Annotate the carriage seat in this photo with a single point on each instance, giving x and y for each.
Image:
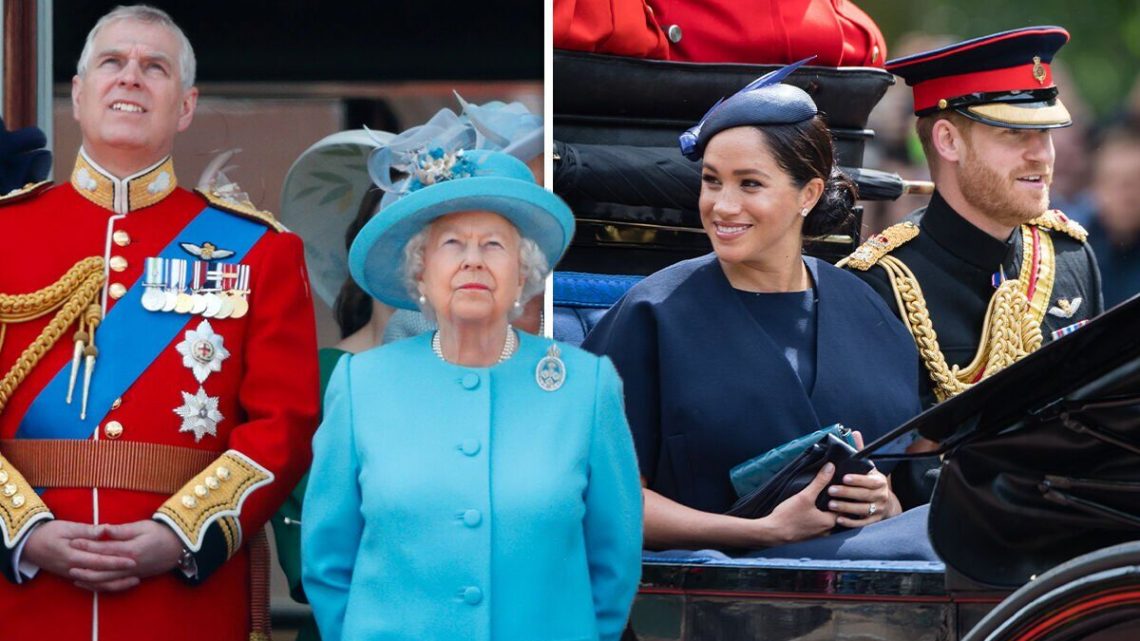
(581, 299)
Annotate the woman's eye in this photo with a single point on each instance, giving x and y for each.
(710, 179)
(493, 243)
(750, 183)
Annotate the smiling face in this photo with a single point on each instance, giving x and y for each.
(471, 268)
(1006, 173)
(750, 207)
(129, 102)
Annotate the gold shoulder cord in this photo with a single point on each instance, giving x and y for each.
(75, 296)
(1010, 331)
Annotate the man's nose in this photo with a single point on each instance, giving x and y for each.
(130, 74)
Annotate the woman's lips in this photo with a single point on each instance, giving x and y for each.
(728, 231)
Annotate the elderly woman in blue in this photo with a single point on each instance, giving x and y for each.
(474, 482)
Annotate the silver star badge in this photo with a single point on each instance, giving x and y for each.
(202, 351)
(199, 414)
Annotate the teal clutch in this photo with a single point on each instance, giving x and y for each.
(755, 472)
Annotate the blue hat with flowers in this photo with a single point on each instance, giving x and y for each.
(764, 101)
(441, 181)
(323, 189)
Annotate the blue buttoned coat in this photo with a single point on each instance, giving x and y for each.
(449, 502)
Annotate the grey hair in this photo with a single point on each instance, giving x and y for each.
(187, 64)
(532, 266)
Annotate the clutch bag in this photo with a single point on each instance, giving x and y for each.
(797, 474)
(755, 472)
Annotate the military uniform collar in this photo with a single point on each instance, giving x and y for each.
(963, 239)
(123, 195)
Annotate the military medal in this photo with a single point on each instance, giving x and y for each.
(200, 415)
(241, 305)
(152, 298)
(197, 297)
(226, 305)
(212, 295)
(202, 350)
(551, 371)
(183, 303)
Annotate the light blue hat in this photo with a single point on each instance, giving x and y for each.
(445, 182)
(323, 189)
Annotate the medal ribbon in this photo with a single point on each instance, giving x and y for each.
(130, 339)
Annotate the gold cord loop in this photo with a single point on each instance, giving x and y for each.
(75, 296)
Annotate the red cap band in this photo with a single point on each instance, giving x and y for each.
(1028, 77)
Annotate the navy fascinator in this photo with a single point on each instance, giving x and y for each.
(764, 101)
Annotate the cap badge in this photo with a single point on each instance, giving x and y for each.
(1038, 70)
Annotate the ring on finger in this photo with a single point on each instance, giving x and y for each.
(871, 509)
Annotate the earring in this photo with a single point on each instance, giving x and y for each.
(517, 304)
(804, 212)
(422, 299)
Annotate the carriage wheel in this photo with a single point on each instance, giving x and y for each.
(1095, 597)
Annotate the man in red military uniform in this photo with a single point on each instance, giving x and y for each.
(159, 371)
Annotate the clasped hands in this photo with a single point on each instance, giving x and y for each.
(103, 558)
(861, 500)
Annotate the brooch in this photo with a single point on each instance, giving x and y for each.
(199, 414)
(551, 371)
(202, 351)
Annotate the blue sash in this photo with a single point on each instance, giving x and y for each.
(129, 339)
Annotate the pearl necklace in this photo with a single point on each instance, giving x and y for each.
(509, 346)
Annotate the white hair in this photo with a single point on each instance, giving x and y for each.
(187, 65)
(532, 266)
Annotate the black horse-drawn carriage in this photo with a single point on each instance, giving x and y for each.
(1037, 510)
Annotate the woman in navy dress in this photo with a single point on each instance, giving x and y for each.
(727, 356)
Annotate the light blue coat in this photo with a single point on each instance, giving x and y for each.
(450, 502)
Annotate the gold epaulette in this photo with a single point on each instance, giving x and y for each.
(214, 496)
(1057, 221)
(880, 245)
(241, 206)
(30, 190)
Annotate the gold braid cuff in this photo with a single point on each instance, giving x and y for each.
(72, 295)
(20, 506)
(214, 496)
(1011, 328)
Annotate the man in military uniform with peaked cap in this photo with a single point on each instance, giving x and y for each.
(158, 357)
(986, 272)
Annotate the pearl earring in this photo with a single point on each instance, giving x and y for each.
(804, 212)
(422, 299)
(517, 304)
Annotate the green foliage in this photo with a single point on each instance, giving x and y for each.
(1103, 55)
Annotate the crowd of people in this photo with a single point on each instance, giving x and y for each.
(470, 477)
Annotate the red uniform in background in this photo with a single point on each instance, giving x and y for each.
(215, 481)
(837, 32)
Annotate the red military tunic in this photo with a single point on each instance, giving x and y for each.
(837, 32)
(266, 391)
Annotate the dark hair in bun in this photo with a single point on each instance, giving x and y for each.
(353, 307)
(805, 151)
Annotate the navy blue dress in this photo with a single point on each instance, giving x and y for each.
(706, 387)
